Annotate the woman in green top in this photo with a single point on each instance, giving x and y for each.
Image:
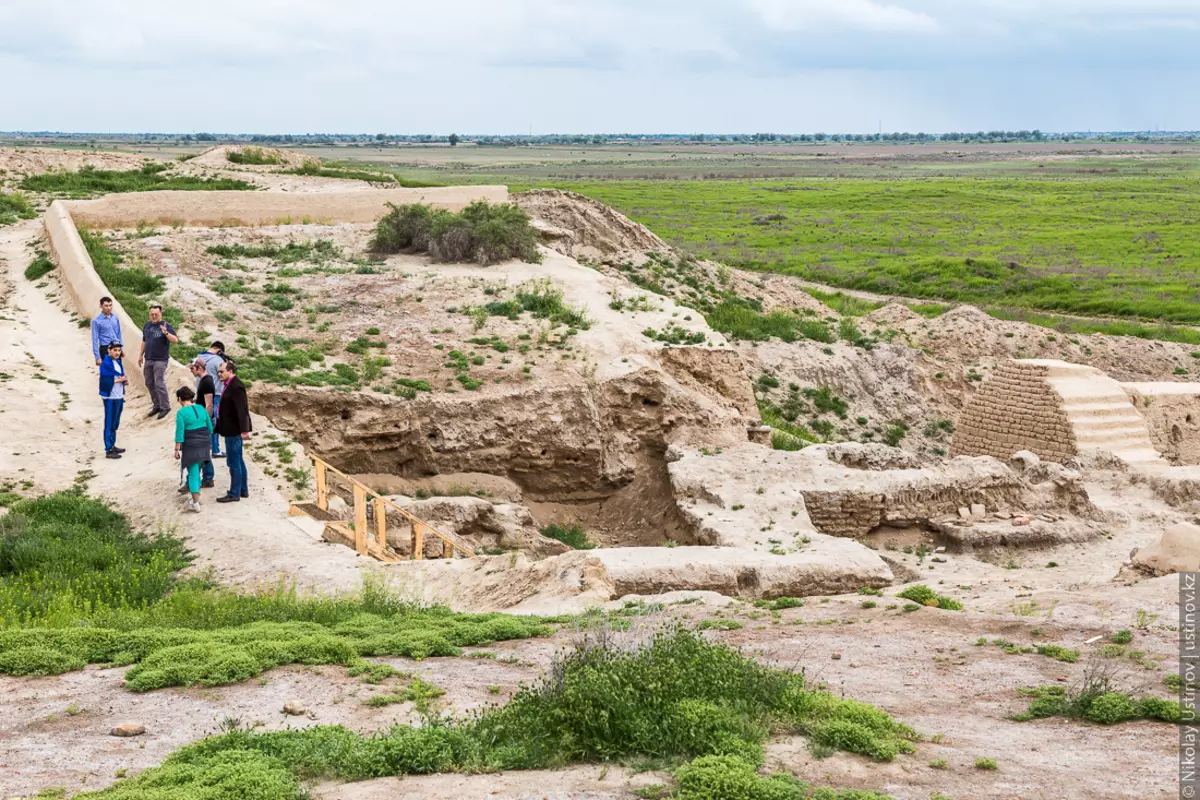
(193, 437)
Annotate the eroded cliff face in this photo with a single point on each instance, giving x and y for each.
(578, 440)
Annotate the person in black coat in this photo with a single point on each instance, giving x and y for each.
(233, 424)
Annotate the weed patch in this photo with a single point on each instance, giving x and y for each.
(88, 181)
(254, 155)
(129, 284)
(14, 206)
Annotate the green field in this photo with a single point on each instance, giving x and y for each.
(1123, 245)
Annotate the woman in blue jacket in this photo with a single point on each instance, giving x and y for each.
(112, 391)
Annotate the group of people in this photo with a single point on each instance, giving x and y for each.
(216, 409)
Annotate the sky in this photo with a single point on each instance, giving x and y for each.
(564, 66)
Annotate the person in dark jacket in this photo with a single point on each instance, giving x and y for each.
(233, 423)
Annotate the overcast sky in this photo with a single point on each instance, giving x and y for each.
(508, 66)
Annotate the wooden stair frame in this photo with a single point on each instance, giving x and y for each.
(373, 543)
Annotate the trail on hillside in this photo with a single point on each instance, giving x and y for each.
(54, 425)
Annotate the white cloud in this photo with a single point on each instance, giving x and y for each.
(585, 65)
(800, 15)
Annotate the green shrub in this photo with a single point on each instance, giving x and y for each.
(242, 774)
(1124, 636)
(574, 536)
(39, 268)
(482, 232)
(278, 302)
(733, 778)
(925, 596)
(1095, 701)
(1111, 708)
(1058, 652)
(779, 603)
(38, 660)
(985, 763)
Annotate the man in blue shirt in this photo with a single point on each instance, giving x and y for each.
(106, 329)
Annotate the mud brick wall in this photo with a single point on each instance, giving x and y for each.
(1015, 410)
(849, 513)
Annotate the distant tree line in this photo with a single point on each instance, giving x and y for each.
(522, 140)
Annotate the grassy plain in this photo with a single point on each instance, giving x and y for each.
(1108, 244)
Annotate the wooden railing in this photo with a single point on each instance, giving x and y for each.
(379, 507)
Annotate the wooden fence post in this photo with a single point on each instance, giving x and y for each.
(360, 519)
(380, 512)
(418, 541)
(322, 486)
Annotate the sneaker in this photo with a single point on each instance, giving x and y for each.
(245, 494)
(229, 498)
(153, 411)
(207, 484)
(118, 450)
(163, 414)
(218, 455)
(193, 507)
(112, 454)
(183, 489)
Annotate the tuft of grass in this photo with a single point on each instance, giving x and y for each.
(574, 536)
(482, 232)
(39, 268)
(88, 181)
(254, 155)
(985, 763)
(844, 304)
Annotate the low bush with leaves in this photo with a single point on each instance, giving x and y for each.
(923, 595)
(482, 232)
(1099, 696)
